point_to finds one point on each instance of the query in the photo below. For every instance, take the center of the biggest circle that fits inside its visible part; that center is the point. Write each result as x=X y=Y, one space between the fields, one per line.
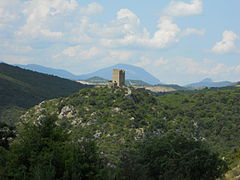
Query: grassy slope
x=21 y=89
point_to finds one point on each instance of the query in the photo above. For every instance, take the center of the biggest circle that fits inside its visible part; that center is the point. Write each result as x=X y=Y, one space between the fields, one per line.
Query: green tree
x=45 y=150
x=176 y=157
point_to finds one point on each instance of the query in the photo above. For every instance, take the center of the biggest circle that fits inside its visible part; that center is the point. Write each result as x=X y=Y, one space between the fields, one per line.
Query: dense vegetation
x=50 y=151
x=21 y=89
x=124 y=133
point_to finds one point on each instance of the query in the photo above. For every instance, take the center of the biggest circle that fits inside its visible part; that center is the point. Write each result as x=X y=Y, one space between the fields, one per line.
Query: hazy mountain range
x=210 y=83
x=133 y=73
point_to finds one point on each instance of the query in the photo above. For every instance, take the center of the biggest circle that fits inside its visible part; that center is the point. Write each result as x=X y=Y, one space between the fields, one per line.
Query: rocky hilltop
x=115 y=114
x=117 y=119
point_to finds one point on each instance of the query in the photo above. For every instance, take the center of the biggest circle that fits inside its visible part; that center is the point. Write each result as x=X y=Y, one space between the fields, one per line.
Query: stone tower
x=118 y=77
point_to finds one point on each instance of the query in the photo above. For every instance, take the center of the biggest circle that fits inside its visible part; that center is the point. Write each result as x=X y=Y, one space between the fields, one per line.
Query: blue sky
x=178 y=41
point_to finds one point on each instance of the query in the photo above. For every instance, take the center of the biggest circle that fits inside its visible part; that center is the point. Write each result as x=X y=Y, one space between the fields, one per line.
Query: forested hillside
x=123 y=133
x=21 y=89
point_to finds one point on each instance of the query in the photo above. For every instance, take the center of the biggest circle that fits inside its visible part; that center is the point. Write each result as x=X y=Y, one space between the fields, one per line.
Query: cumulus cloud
x=166 y=34
x=183 y=9
x=91 y=9
x=39 y=14
x=133 y=36
x=227 y=44
x=78 y=40
x=53 y=21
x=130 y=20
x=82 y=52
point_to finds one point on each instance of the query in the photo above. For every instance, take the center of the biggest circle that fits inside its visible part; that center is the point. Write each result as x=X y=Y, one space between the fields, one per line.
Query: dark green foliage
x=46 y=151
x=211 y=115
x=7 y=133
x=128 y=130
x=21 y=89
x=176 y=157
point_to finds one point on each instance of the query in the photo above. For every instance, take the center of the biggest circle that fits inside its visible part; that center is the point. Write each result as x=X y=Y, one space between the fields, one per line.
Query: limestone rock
x=67 y=112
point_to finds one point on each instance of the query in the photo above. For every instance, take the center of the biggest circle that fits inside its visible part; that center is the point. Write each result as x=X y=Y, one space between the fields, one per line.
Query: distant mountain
x=51 y=71
x=96 y=80
x=132 y=72
x=130 y=82
x=209 y=83
x=21 y=89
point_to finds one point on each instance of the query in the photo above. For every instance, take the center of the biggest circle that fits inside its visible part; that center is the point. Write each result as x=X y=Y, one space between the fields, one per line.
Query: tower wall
x=118 y=77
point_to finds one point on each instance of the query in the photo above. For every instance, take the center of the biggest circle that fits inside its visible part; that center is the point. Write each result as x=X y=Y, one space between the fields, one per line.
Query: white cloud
x=130 y=20
x=166 y=33
x=121 y=55
x=38 y=15
x=183 y=70
x=190 y=31
x=206 y=67
x=66 y=21
x=12 y=59
x=183 y=9
x=237 y=68
x=189 y=66
x=227 y=44
x=79 y=31
x=80 y=52
x=10 y=11
x=146 y=61
x=129 y=32
x=91 y=9
x=219 y=68
x=16 y=48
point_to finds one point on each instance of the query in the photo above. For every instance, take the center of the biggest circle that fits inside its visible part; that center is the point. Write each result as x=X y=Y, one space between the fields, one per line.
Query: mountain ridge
x=208 y=82
x=132 y=72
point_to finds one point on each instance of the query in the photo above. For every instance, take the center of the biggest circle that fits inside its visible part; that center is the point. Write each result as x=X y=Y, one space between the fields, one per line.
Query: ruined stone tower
x=118 y=77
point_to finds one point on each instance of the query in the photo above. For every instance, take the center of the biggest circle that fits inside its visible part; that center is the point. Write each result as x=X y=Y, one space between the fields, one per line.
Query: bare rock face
x=67 y=112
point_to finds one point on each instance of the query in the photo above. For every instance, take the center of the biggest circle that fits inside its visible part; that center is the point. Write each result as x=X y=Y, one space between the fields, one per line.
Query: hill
x=21 y=89
x=132 y=72
x=209 y=83
x=210 y=115
x=97 y=80
x=47 y=70
x=118 y=120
